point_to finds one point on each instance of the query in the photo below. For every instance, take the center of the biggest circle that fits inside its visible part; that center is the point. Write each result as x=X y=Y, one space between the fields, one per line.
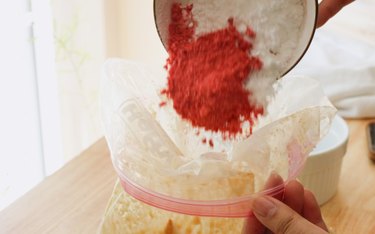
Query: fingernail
x=275 y=176
x=264 y=207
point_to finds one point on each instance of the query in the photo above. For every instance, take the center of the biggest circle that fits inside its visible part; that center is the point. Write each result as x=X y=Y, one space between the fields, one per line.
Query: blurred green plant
x=71 y=59
x=66 y=49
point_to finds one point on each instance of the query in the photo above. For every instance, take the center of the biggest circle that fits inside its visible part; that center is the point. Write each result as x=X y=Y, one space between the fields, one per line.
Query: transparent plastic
x=162 y=163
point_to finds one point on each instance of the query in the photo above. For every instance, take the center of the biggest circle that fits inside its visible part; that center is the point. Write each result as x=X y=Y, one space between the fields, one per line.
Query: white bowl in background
x=322 y=169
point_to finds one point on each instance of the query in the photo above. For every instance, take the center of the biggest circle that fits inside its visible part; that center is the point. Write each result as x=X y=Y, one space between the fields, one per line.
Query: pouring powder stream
x=207 y=75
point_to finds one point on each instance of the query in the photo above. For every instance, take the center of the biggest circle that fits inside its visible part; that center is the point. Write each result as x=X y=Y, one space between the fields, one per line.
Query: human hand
x=329 y=8
x=298 y=212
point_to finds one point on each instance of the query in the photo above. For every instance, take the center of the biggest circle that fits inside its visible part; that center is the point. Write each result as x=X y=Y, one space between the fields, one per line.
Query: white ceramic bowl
x=322 y=169
x=307 y=34
x=162 y=17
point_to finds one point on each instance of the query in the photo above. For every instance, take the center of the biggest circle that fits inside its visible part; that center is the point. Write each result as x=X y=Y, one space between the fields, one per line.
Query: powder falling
x=207 y=75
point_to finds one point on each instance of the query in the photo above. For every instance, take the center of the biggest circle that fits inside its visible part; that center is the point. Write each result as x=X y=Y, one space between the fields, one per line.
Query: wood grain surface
x=352 y=209
x=72 y=200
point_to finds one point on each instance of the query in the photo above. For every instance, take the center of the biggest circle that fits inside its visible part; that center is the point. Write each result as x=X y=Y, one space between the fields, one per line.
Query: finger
x=280 y=218
x=252 y=225
x=273 y=181
x=329 y=8
x=294 y=196
x=311 y=210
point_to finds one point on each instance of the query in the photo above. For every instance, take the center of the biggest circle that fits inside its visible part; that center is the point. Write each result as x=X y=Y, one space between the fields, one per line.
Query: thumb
x=279 y=218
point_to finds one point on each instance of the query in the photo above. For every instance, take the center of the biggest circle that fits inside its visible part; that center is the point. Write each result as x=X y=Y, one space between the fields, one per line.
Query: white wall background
x=131 y=28
x=79 y=35
x=85 y=35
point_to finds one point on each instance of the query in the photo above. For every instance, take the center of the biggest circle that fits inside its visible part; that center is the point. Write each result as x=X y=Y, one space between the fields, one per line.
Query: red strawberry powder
x=207 y=75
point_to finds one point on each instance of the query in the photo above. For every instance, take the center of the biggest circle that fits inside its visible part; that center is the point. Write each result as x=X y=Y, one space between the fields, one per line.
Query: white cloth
x=346 y=69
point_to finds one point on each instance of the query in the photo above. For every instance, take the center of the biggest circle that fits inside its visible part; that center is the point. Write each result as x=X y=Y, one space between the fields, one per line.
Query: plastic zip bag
x=161 y=161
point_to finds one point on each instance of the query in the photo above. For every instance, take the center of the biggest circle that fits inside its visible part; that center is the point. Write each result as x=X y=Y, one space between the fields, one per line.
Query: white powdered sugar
x=278 y=26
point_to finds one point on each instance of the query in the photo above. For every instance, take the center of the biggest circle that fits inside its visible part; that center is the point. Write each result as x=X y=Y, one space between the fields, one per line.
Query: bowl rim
x=312 y=33
x=342 y=142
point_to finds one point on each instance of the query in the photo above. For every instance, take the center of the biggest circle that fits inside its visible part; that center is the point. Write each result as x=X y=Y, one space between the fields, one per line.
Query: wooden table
x=73 y=199
x=70 y=201
x=352 y=209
